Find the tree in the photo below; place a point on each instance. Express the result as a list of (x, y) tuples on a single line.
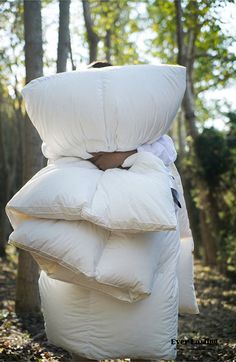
[(64, 44), (27, 294), (4, 174), (112, 23), (186, 57), (92, 36), (188, 54), (11, 115), (190, 32)]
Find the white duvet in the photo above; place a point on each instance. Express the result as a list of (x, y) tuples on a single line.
[(109, 243)]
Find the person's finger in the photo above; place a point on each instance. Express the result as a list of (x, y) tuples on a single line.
[(101, 163)]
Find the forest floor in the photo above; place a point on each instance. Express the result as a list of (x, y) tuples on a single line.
[(25, 339)]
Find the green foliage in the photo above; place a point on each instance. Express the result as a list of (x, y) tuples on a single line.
[(209, 165), (227, 200), (209, 48), (232, 126), (115, 17), (161, 19), (217, 155), (212, 150)]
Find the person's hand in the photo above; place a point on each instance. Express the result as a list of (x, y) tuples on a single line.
[(105, 160)]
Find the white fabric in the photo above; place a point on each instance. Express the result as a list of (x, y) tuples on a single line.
[(187, 300), (68, 190), (85, 254), (86, 261), (98, 326), (137, 199), (77, 259), (98, 230), (163, 148), (98, 257), (117, 108)]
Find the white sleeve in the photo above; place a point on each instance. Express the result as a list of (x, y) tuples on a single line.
[(163, 147)]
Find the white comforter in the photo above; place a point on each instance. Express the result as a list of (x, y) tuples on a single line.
[(105, 268), (109, 243)]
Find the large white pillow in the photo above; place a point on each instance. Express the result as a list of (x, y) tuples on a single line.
[(117, 108), (122, 265), (133, 200)]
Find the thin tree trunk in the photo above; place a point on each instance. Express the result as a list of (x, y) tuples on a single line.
[(108, 45), (181, 142), (93, 38), (71, 58), (2, 234), (189, 108), (64, 45), (181, 59), (27, 294), (209, 250), (5, 170)]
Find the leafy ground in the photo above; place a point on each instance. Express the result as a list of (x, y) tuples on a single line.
[(25, 340)]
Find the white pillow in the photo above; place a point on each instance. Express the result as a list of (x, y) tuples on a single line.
[(133, 200), (116, 108), (122, 265)]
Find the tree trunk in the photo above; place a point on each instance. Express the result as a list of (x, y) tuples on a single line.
[(64, 46), (3, 233), (209, 250), (27, 294), (181, 136), (186, 57), (108, 45), (208, 235), (5, 171), (189, 108), (93, 38)]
